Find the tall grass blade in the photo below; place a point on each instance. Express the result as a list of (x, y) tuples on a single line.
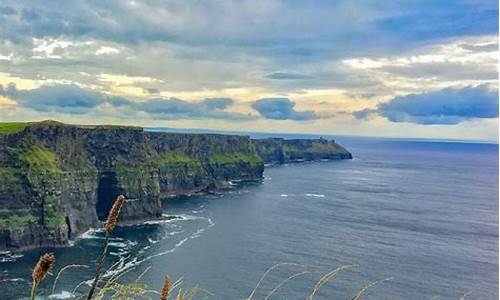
[(265, 274), (277, 287), (361, 292), (142, 274), (326, 278), (63, 269)]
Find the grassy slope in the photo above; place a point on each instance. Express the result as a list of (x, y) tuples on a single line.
[(40, 159), (42, 170), (232, 158), (12, 127)]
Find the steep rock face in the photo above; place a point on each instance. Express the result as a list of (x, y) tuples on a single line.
[(279, 151), (57, 180), (191, 163)]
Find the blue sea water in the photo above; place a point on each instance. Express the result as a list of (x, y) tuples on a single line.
[(422, 214)]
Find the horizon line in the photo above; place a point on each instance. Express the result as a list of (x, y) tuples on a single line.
[(238, 132)]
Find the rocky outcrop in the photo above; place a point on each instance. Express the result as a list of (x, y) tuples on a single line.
[(280, 151), (58, 180)]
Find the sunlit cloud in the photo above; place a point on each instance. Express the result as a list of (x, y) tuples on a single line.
[(46, 48), (458, 63), (120, 79), (105, 50), (7, 57)]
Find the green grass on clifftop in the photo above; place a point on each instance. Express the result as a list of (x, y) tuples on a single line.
[(12, 127), (231, 158), (176, 158)]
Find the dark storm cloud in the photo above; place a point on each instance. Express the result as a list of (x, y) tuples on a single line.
[(447, 106)]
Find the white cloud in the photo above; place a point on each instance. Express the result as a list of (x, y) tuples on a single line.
[(7, 57), (51, 48), (105, 50), (457, 63), (125, 79), (45, 47)]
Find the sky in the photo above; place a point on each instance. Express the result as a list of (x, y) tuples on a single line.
[(418, 69)]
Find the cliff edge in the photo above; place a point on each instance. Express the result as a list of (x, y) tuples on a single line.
[(58, 180), (280, 151)]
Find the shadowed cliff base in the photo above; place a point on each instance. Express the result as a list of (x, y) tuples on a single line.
[(58, 180)]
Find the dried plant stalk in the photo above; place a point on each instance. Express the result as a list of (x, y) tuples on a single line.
[(114, 213), (111, 222), (165, 289), (42, 268)]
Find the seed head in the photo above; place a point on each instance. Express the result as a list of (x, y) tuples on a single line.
[(42, 267), (165, 289), (114, 212)]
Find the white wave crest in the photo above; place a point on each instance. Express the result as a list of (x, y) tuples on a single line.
[(62, 295), (315, 195), (13, 280), (7, 256), (91, 234)]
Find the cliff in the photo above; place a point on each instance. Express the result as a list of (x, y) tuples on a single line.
[(280, 151), (59, 180)]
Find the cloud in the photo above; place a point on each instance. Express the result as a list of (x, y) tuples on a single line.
[(61, 98), (260, 45), (448, 106), (71, 99), (218, 103), (364, 113), (269, 27), (461, 62), (173, 109), (105, 50), (10, 91), (287, 76), (7, 10), (152, 91), (281, 109), (487, 47), (306, 51)]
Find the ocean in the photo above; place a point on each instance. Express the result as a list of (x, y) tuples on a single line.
[(418, 218)]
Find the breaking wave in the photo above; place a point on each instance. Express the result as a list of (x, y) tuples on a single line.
[(315, 195)]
